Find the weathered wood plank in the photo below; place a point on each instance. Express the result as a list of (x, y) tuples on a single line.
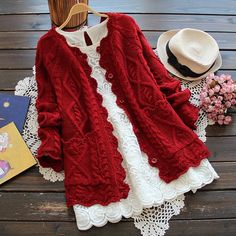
[(140, 6), (51, 206), (23, 6), (24, 59), (226, 41), (34, 207), (19, 40), (222, 130), (226, 227), (17, 59), (221, 227), (227, 173), (32, 181), (9, 79), (222, 148), (28, 40), (208, 205), (151, 22)]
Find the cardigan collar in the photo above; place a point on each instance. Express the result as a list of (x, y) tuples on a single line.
[(110, 24), (87, 37)]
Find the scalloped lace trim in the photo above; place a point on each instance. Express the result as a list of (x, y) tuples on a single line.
[(161, 200)]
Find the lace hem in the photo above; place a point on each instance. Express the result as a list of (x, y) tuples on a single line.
[(98, 216)]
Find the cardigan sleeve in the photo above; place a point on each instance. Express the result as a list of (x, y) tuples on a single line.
[(169, 86), (49, 118)]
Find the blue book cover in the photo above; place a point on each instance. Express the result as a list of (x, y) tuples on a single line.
[(13, 108)]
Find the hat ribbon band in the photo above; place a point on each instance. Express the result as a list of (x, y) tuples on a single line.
[(184, 70)]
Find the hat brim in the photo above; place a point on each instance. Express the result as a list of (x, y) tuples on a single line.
[(161, 50)]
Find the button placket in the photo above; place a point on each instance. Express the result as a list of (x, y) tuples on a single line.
[(110, 75), (121, 101), (154, 160)]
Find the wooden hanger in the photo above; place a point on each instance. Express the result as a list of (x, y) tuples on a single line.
[(78, 8)]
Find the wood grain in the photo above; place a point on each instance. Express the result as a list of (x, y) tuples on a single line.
[(222, 130), (48, 206), (222, 148), (32, 180), (24, 59), (135, 6), (9, 79), (28, 40), (153, 22), (219, 227)]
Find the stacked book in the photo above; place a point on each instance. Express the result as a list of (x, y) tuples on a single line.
[(15, 156)]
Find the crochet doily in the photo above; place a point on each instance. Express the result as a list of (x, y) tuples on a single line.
[(159, 214)]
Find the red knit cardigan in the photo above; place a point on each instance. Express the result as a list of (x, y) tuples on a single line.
[(73, 127)]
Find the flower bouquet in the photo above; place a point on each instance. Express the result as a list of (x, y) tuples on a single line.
[(217, 96)]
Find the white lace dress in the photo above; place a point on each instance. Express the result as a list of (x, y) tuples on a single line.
[(151, 201)]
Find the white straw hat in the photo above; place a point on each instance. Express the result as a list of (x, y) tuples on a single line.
[(190, 54)]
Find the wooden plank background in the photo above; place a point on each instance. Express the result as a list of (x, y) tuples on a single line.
[(30, 205)]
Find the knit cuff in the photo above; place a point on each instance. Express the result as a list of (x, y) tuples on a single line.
[(49, 152)]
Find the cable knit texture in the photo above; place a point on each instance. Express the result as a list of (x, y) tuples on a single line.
[(73, 125)]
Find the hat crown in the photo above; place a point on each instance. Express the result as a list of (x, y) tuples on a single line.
[(194, 49)]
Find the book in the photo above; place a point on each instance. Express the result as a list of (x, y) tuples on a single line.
[(13, 108), (15, 156)]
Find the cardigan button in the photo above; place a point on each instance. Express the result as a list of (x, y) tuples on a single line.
[(122, 101), (110, 75), (154, 160)]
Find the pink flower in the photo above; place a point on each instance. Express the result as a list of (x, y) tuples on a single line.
[(211, 92), (227, 104), (209, 78), (221, 111), (209, 115), (213, 98), (230, 96), (210, 108), (228, 77), (221, 117), (203, 94), (217, 95), (217, 105), (207, 100), (230, 82), (217, 88), (221, 79), (223, 90), (229, 89), (228, 118)]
